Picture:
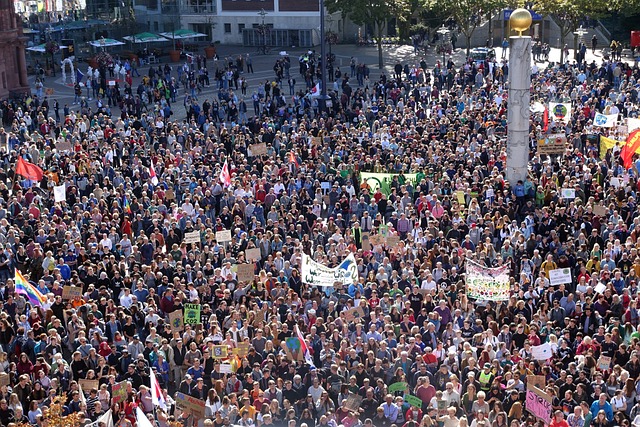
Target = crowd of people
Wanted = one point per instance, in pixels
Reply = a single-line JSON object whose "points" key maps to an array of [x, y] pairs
{"points": [[137, 182]]}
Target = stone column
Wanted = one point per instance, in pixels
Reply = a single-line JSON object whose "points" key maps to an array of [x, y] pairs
{"points": [[518, 113]]}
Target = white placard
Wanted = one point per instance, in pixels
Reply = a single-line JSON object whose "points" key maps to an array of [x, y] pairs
{"points": [[541, 352], [568, 193], [223, 236], [60, 193], [316, 274], [560, 276], [226, 368], [191, 237]]}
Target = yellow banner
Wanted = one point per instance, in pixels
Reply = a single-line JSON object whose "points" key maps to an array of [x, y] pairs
{"points": [[607, 144]]}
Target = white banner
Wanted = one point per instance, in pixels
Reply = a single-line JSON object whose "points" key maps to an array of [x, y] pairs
{"points": [[560, 276], [605, 120], [60, 193], [632, 124], [316, 274], [560, 112], [541, 352]]}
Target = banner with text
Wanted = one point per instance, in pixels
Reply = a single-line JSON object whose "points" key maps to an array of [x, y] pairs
{"points": [[316, 274], [384, 181], [487, 284]]}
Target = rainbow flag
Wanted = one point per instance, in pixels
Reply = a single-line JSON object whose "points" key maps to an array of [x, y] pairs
{"points": [[126, 205], [26, 288]]}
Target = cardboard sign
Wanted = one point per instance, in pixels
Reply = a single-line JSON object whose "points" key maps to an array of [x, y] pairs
{"points": [[176, 320], [245, 272], [376, 239], [552, 144], [220, 352], [223, 236], [119, 392], [71, 292], [460, 197], [604, 363], [559, 276], [191, 314], [294, 349], [242, 350], [536, 381], [392, 241], [226, 368], [88, 385], [538, 403], [253, 254], [353, 402], [600, 210], [352, 314], [366, 244], [258, 149], [5, 379], [186, 403], [413, 401], [191, 237], [64, 146], [399, 386]]}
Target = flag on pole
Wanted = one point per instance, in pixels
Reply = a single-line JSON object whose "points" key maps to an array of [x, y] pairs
{"points": [[26, 288], [126, 206], [106, 418], [29, 170], [304, 348], [545, 119], [83, 398], [315, 91], [141, 419], [79, 76], [225, 175], [293, 159], [152, 174], [157, 398]]}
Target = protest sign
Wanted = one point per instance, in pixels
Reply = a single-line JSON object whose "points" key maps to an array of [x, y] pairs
{"points": [[60, 193], [353, 402], [413, 401], [190, 404], [538, 403], [223, 236], [399, 386], [119, 392], [253, 254], [600, 210], [71, 292], [488, 284], [568, 193], [552, 144], [392, 241], [88, 385], [4, 379], [541, 352], [220, 352], [191, 237], [604, 363], [536, 381], [559, 276], [191, 314], [352, 314], [242, 350], [176, 320], [245, 272], [226, 368], [316, 274], [383, 181], [294, 350], [64, 145]]}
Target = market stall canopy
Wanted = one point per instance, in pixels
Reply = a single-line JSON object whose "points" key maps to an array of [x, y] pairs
{"points": [[106, 43], [182, 34], [145, 38], [41, 48]]}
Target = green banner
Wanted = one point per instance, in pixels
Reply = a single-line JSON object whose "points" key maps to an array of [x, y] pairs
{"points": [[383, 180], [413, 401], [191, 314], [399, 386]]}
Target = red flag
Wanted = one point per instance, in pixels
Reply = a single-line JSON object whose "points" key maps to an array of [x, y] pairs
{"points": [[29, 170], [632, 145], [152, 175], [292, 159], [545, 119], [225, 175]]}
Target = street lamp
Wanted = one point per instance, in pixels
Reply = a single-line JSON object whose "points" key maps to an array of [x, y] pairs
{"points": [[322, 99], [578, 35], [263, 30], [443, 31]]}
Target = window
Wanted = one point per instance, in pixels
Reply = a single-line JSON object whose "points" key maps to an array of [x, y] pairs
{"points": [[240, 28], [227, 28]]}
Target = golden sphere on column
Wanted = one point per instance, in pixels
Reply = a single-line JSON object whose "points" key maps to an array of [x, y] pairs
{"points": [[520, 20]]}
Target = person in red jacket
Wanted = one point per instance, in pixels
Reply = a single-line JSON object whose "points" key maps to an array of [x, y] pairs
{"points": [[558, 420]]}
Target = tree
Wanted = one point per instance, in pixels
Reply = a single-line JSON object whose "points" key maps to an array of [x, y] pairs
{"points": [[372, 13], [569, 13], [467, 13]]}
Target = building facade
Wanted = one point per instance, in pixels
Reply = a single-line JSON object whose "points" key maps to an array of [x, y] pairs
{"points": [[13, 65]]}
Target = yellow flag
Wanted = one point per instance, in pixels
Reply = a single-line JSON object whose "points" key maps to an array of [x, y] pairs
{"points": [[607, 144]]}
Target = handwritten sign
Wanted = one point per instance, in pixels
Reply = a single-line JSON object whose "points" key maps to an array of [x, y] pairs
{"points": [[258, 149], [600, 210], [176, 320], [376, 239], [392, 241], [219, 351], [242, 350], [64, 145], [245, 272], [353, 402], [538, 403], [191, 314], [88, 385], [223, 236], [119, 392], [399, 386], [253, 254], [226, 368], [191, 237], [353, 314], [604, 363], [413, 401], [460, 197], [71, 292], [186, 403]]}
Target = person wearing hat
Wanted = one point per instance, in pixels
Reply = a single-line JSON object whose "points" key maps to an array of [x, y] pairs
{"points": [[486, 377]]}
